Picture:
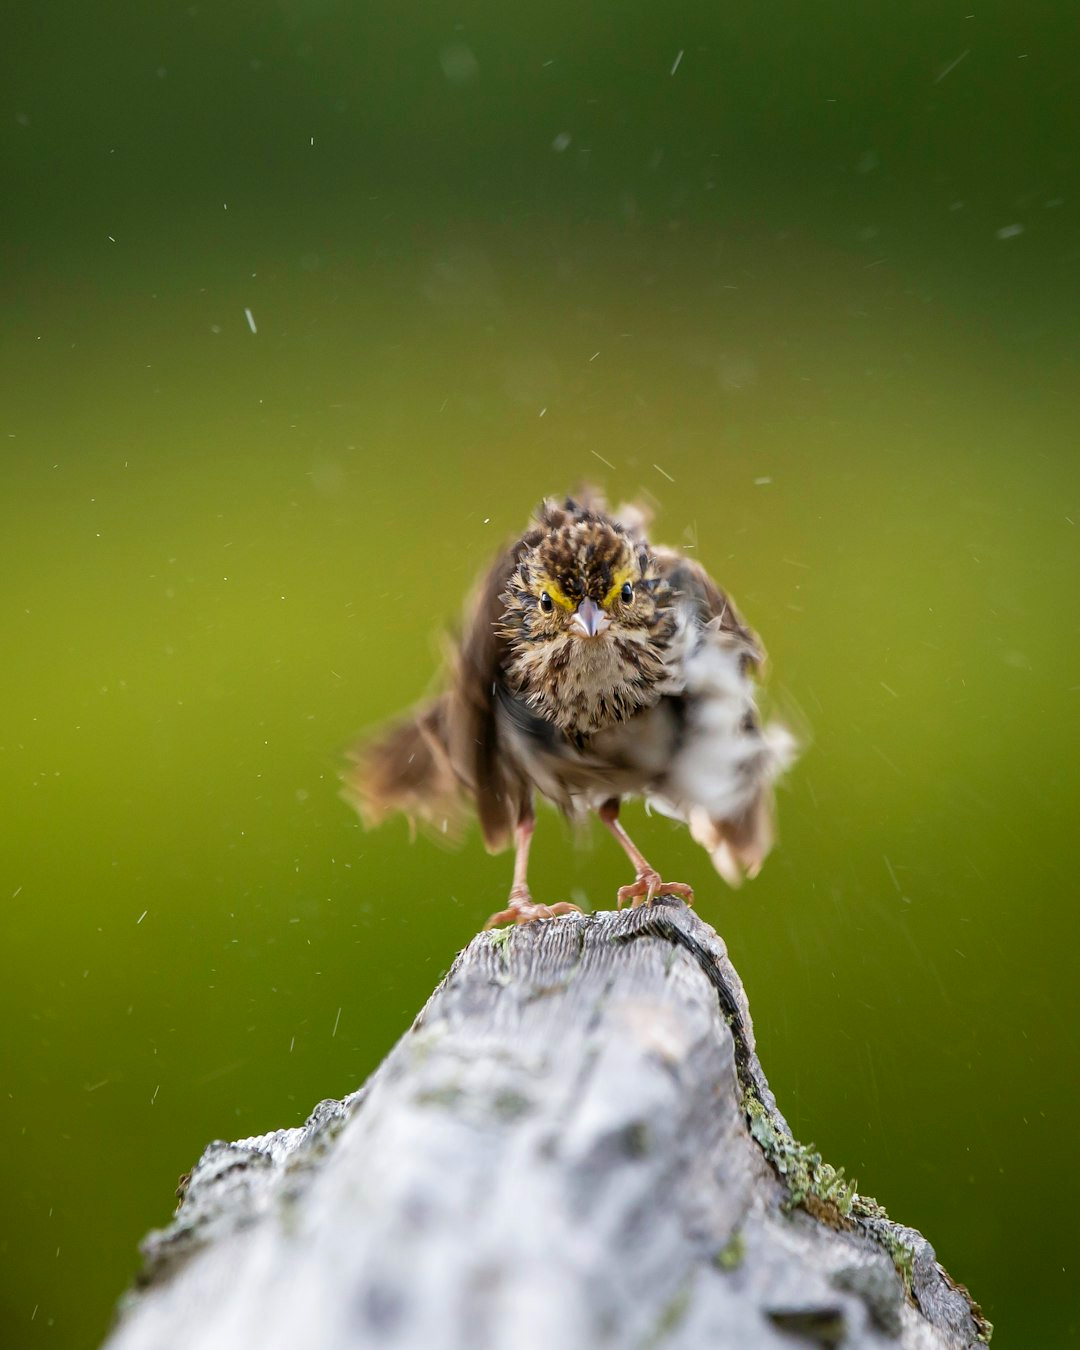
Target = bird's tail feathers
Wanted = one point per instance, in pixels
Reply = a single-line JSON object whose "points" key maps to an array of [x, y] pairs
{"points": [[738, 841], [407, 768]]}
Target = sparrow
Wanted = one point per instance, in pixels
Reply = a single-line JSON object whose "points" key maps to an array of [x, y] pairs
{"points": [[592, 667]]}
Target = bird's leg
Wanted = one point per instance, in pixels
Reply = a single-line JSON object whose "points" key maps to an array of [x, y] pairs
{"points": [[521, 908], [648, 883]]}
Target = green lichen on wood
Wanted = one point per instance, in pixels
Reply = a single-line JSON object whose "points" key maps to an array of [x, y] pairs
{"points": [[823, 1191], [812, 1183], [866, 1207], [447, 1096], [672, 1315], [511, 1105], [732, 1254], [499, 939], [903, 1257]]}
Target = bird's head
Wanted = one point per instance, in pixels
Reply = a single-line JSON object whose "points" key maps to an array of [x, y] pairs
{"points": [[588, 619]]}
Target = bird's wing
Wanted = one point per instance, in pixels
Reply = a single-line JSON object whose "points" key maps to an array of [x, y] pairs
{"points": [[721, 777], [712, 607], [406, 767], [500, 793], [426, 765]]}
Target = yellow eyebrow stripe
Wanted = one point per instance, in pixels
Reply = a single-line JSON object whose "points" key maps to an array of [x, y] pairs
{"points": [[622, 576], [556, 593]]}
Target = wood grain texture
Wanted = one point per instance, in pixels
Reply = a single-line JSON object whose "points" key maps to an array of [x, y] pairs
{"points": [[573, 1147]]}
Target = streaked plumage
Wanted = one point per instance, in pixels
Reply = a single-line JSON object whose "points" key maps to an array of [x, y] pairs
{"points": [[593, 667]]}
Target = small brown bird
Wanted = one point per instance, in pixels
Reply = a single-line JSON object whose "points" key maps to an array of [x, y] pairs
{"points": [[592, 667]]}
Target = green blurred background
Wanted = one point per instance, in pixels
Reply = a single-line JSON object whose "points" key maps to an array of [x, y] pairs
{"points": [[807, 274]]}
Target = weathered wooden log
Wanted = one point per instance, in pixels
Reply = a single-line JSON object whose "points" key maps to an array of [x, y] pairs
{"points": [[573, 1147]]}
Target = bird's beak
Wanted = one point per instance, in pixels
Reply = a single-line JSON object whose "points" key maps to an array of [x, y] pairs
{"points": [[589, 619]]}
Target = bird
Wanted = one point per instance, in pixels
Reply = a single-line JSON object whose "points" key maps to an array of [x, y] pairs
{"points": [[592, 667]]}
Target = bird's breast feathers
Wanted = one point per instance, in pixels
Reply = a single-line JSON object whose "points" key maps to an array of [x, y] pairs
{"points": [[583, 686], [690, 738]]}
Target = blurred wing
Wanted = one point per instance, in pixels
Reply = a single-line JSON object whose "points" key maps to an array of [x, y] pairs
{"points": [[500, 793], [407, 768], [713, 608], [721, 779], [426, 766]]}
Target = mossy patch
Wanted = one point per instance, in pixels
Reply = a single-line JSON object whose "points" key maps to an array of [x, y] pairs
{"points": [[636, 1139], [903, 1257], [732, 1254], [866, 1207], [447, 1096], [499, 938], [672, 1315], [511, 1105], [811, 1182], [824, 1192]]}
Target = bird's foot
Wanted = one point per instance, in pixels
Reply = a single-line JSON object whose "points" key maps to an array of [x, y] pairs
{"points": [[648, 885], [522, 909]]}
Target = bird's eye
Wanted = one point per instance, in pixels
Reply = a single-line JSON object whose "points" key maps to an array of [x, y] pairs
{"points": [[626, 595], [546, 602]]}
